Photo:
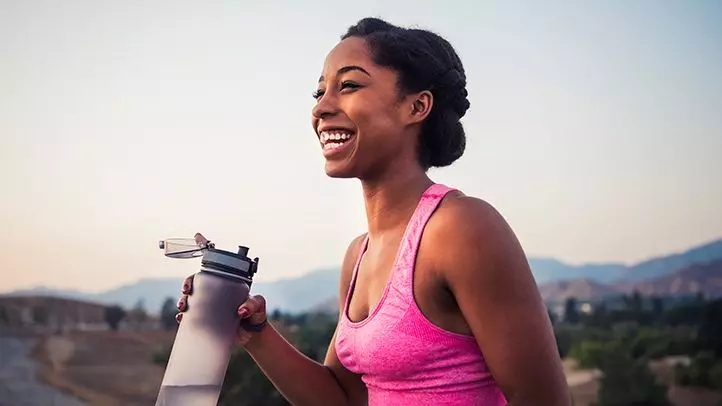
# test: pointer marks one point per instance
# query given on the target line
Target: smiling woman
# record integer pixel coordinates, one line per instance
(437, 301)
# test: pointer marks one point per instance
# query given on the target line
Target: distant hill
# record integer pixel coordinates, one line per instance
(705, 278)
(666, 265)
(548, 269)
(297, 294)
(698, 278)
(317, 289)
(583, 288)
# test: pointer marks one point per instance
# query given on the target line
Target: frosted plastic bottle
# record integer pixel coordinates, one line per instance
(205, 338)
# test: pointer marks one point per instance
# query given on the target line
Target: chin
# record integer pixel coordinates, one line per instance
(338, 170)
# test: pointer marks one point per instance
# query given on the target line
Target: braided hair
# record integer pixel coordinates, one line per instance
(424, 61)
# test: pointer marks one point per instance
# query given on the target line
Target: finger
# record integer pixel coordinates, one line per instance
(200, 239)
(251, 306)
(178, 317)
(187, 288)
(182, 303)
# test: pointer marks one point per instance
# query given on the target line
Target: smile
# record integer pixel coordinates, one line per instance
(333, 141)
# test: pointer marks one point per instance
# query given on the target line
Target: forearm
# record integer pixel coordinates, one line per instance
(301, 380)
(563, 398)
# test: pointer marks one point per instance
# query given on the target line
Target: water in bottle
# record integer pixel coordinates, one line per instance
(205, 338)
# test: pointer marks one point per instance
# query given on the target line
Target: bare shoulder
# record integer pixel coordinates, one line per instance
(468, 221)
(471, 240)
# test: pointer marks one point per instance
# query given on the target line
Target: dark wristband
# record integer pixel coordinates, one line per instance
(253, 327)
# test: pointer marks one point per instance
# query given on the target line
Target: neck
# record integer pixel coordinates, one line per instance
(392, 198)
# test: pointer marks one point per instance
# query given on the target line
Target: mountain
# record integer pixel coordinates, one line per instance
(583, 289)
(705, 278)
(548, 269)
(318, 288)
(297, 294)
(666, 265)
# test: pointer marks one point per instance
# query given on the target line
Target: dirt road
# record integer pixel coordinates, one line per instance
(18, 383)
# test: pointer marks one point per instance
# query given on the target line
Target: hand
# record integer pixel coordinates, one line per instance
(252, 312)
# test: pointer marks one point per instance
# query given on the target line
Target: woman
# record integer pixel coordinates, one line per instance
(437, 301)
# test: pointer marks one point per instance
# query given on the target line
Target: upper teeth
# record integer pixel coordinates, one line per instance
(334, 136)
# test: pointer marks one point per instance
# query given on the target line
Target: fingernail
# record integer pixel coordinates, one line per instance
(185, 288)
(243, 312)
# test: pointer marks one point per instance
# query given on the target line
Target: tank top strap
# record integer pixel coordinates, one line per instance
(406, 260)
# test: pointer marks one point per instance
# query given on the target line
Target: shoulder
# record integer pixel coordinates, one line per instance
(467, 220)
(468, 234)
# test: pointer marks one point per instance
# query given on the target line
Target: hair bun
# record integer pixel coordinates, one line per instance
(451, 90)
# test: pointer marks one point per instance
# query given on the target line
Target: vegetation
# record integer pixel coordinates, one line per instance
(617, 337)
(167, 315)
(245, 384)
(113, 316)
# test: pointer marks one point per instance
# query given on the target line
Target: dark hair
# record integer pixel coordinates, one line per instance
(424, 61)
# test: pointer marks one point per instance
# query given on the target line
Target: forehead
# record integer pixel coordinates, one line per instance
(351, 51)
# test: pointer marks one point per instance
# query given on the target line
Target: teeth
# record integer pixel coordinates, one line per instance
(335, 136)
(332, 145)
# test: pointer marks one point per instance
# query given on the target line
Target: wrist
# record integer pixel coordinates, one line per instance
(256, 332)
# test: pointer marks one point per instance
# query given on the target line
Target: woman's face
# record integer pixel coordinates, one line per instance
(360, 119)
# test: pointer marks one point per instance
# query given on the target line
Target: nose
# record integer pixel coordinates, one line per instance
(326, 106)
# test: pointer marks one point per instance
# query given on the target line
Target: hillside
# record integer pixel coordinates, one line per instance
(705, 278)
(297, 294)
(318, 288)
(666, 265)
(698, 278)
(585, 289)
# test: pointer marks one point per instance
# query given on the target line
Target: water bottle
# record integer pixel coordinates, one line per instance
(206, 335)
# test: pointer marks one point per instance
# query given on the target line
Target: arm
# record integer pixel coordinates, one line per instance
(301, 380)
(486, 270)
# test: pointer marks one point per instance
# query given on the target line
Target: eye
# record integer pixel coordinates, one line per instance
(349, 85)
(318, 94)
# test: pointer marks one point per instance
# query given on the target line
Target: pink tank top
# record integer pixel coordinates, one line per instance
(402, 357)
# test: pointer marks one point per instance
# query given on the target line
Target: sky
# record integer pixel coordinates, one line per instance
(595, 129)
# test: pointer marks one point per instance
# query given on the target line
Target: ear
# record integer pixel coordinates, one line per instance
(420, 106)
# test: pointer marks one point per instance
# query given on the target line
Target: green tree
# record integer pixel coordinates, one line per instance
(710, 328)
(626, 382)
(571, 313)
(113, 316)
(167, 314)
(40, 315)
(4, 318)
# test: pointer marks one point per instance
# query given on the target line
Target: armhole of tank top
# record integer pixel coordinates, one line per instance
(416, 246)
(354, 274)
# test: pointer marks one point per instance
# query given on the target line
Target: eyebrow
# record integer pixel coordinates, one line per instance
(348, 69)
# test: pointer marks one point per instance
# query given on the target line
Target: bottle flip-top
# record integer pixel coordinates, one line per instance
(204, 341)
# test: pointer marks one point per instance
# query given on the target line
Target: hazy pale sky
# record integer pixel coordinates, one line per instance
(595, 128)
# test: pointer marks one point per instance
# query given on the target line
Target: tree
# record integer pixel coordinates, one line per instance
(710, 329)
(626, 382)
(113, 316)
(4, 318)
(139, 315)
(40, 315)
(571, 314)
(167, 314)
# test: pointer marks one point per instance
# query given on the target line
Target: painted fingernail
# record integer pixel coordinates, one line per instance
(243, 312)
(185, 288)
